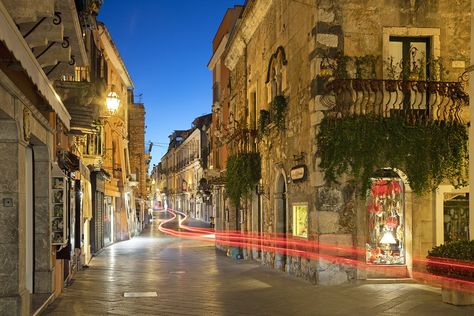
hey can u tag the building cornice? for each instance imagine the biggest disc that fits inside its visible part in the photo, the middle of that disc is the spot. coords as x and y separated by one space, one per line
254 13
112 53
218 53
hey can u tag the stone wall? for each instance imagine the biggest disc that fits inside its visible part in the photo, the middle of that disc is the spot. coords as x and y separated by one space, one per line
14 293
308 32
136 131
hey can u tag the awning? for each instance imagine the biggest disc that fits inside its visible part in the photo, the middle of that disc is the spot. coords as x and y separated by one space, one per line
15 42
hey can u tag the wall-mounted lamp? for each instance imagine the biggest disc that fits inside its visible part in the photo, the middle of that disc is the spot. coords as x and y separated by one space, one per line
112 102
299 156
261 191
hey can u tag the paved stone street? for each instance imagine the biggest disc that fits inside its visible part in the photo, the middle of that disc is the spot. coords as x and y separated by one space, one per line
191 278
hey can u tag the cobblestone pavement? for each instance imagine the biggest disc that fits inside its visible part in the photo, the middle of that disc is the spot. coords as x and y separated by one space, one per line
191 278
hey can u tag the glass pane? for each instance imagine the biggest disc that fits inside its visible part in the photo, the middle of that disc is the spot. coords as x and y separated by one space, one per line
300 220
456 217
418 56
393 66
386 222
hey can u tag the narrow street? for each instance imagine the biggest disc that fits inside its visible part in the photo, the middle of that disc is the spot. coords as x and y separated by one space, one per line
191 278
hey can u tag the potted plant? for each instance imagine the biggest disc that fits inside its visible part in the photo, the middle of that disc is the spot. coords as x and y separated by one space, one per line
454 260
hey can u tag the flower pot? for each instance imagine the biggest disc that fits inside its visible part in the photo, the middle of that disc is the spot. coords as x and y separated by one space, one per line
455 294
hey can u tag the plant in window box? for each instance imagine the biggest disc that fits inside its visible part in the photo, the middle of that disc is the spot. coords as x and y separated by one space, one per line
438 71
263 121
278 111
365 67
340 70
454 260
391 70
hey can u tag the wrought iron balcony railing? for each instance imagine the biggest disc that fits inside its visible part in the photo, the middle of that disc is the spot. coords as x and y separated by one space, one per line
413 100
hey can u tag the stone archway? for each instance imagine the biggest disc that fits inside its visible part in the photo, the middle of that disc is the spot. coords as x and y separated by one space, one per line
281 217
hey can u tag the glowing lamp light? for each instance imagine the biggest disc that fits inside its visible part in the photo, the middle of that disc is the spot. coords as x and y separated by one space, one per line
112 102
388 238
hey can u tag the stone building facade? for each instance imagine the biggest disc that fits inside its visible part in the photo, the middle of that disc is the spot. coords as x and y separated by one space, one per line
138 156
34 122
63 153
215 174
283 50
178 176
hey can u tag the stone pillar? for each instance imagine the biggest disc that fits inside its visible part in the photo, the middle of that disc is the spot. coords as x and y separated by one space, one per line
43 268
14 298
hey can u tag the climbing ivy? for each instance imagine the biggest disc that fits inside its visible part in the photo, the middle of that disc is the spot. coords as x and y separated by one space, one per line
243 174
427 152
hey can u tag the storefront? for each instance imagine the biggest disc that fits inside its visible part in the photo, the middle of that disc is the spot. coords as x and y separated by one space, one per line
98 211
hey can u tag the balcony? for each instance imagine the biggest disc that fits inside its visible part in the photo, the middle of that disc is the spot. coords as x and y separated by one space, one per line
83 101
415 101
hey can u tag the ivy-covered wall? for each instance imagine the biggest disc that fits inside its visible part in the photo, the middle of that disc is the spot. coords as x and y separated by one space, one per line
308 32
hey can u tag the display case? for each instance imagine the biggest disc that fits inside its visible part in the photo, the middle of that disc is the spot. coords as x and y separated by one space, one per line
386 244
58 216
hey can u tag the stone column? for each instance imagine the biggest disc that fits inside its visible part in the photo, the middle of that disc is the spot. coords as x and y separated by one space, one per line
42 231
14 298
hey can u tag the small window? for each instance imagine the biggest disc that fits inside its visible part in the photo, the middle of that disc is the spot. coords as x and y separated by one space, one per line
300 220
410 58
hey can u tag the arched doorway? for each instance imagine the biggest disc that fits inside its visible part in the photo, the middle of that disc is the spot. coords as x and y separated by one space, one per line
386 220
281 218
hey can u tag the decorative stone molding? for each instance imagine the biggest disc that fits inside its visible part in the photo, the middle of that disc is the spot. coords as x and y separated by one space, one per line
253 15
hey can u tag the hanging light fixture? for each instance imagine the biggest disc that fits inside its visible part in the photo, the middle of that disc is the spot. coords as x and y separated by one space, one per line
112 102
388 238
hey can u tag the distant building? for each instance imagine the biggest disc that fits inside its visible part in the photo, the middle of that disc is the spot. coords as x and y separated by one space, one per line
179 174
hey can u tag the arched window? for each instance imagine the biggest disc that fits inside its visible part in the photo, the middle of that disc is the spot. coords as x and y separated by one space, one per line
276 73
386 219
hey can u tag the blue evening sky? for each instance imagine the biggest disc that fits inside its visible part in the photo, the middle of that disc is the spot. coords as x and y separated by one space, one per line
166 46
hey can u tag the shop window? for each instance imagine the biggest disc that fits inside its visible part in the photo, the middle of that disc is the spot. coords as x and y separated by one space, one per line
386 239
300 220
456 217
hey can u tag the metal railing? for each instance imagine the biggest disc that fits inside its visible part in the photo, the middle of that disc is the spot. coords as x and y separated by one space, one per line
414 100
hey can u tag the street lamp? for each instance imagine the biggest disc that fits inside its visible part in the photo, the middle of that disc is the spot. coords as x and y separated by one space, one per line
112 102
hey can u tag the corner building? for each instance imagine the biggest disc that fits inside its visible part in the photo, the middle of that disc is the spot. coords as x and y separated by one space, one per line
279 55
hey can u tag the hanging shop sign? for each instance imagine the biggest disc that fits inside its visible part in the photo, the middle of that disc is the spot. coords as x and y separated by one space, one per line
298 173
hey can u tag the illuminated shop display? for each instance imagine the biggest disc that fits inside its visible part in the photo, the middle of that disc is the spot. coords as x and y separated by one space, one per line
58 217
386 245
300 220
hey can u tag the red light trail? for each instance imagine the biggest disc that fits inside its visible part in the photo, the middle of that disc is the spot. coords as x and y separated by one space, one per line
310 249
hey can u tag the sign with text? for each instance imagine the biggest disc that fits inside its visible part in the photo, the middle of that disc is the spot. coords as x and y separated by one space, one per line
298 173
